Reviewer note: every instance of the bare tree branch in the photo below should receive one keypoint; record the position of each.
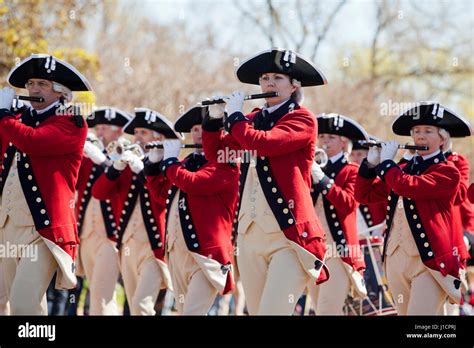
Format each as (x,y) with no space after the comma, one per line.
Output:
(304,26)
(326,27)
(257,21)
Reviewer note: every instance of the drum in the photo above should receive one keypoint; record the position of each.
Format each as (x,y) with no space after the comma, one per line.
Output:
(378,300)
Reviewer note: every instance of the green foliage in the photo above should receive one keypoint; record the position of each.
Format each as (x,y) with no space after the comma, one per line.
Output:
(44,26)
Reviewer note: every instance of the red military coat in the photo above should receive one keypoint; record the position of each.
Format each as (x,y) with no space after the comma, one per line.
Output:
(463,212)
(129,189)
(337,189)
(50,150)
(428,196)
(285,144)
(110,209)
(210,195)
(470,193)
(373,213)
(467,213)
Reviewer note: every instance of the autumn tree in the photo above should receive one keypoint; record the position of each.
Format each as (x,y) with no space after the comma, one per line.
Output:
(45,26)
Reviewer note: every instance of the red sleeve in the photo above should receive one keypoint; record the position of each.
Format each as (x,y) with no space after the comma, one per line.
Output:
(209,180)
(467,215)
(441,182)
(215,143)
(106,188)
(158,186)
(470,193)
(59,137)
(293,132)
(342,195)
(370,189)
(378,212)
(83,173)
(462,165)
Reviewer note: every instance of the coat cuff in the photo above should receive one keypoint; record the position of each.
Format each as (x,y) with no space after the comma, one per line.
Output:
(365,171)
(165,164)
(112,173)
(384,167)
(212,124)
(5,113)
(233,119)
(151,168)
(324,185)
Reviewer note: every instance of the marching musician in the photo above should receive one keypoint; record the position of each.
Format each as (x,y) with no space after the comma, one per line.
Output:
(98,220)
(368,215)
(280,243)
(333,197)
(463,212)
(370,227)
(200,211)
(421,268)
(41,159)
(470,268)
(140,230)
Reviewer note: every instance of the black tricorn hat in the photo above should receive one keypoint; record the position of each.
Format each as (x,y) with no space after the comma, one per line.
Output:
(341,125)
(432,114)
(280,61)
(47,67)
(153,120)
(190,118)
(108,115)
